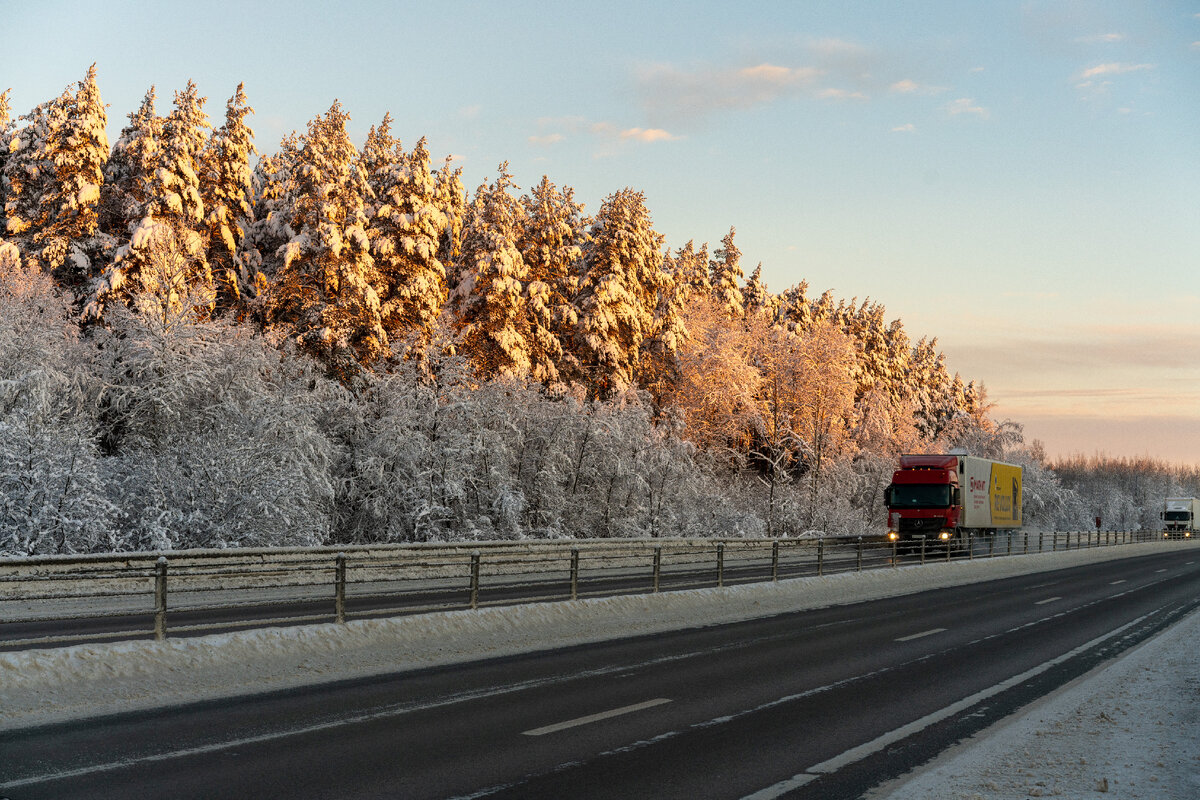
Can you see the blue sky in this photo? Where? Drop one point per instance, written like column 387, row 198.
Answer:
column 1019, row 179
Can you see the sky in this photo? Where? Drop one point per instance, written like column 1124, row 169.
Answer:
column 1019, row 179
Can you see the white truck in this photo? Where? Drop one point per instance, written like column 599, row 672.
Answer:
column 1181, row 517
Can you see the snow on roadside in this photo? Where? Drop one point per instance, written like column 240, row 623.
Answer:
column 1128, row 729
column 43, row 686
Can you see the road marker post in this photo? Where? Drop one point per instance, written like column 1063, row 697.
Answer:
column 339, row 588
column 160, row 598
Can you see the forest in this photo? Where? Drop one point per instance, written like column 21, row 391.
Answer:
column 202, row 345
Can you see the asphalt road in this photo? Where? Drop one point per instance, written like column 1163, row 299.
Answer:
column 819, row 704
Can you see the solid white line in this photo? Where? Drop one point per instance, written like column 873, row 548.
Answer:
column 574, row 723
column 875, row 745
column 920, row 635
column 1047, row 600
column 1114, row 583
column 1159, row 570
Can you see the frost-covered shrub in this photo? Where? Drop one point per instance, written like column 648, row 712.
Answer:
column 52, row 497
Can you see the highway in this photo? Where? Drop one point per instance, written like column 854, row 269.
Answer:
column 819, row 704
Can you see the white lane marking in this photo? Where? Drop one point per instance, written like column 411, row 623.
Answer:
column 920, row 635
column 574, row 723
column 1158, row 571
column 1047, row 600
column 875, row 745
column 1114, row 583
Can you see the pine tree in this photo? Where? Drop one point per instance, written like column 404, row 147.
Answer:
column 551, row 245
column 53, row 177
column 225, row 188
column 759, row 302
column 321, row 286
column 163, row 209
column 130, row 169
column 619, row 291
column 726, row 275
column 270, row 229
column 407, row 226
column 7, row 123
column 690, row 268
column 489, row 297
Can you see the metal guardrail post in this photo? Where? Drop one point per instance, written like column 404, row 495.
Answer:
column 820, row 556
column 160, row 598
column 860, row 549
column 1010, row 543
column 339, row 588
column 922, row 551
column 1026, row 542
column 970, row 547
column 475, row 579
column 895, row 553
column 657, row 566
column 574, row 574
column 949, row 548
column 775, row 561
column 992, row 546
column 720, row 564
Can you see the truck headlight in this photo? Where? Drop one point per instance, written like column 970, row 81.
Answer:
column 893, row 536
column 944, row 535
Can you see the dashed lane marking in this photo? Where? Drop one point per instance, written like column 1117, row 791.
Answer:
column 920, row 635
column 1047, row 600
column 616, row 712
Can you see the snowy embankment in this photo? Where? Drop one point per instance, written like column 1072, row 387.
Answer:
column 44, row 686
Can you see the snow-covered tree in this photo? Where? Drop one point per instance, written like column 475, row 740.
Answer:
column 726, row 276
column 759, row 302
column 551, row 244
column 407, row 224
column 7, row 123
column 490, row 302
column 226, row 191
column 52, row 180
column 52, row 485
column 161, row 162
column 691, row 270
column 619, row 291
column 321, row 287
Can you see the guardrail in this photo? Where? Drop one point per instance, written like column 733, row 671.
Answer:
column 70, row 599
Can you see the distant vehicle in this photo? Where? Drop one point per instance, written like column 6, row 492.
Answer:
column 951, row 497
column 1181, row 517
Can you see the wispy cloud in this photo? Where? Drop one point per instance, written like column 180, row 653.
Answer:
column 648, row 135
column 1102, row 38
column 553, row 130
column 1113, row 68
column 966, row 105
column 909, row 86
column 906, row 128
column 839, row 94
column 672, row 93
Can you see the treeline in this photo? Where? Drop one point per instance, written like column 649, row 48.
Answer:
column 335, row 344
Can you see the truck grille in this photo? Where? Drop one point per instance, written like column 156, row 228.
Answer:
column 922, row 524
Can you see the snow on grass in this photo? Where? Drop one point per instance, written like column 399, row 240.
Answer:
column 43, row 686
column 1129, row 729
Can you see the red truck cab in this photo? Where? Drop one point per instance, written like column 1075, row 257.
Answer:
column 924, row 498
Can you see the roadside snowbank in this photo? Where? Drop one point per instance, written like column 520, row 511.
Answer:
column 1128, row 729
column 43, row 686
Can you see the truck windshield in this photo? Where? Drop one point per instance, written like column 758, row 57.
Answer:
column 1177, row 516
column 918, row 495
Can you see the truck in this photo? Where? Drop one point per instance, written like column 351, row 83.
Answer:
column 1181, row 517
column 951, row 497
